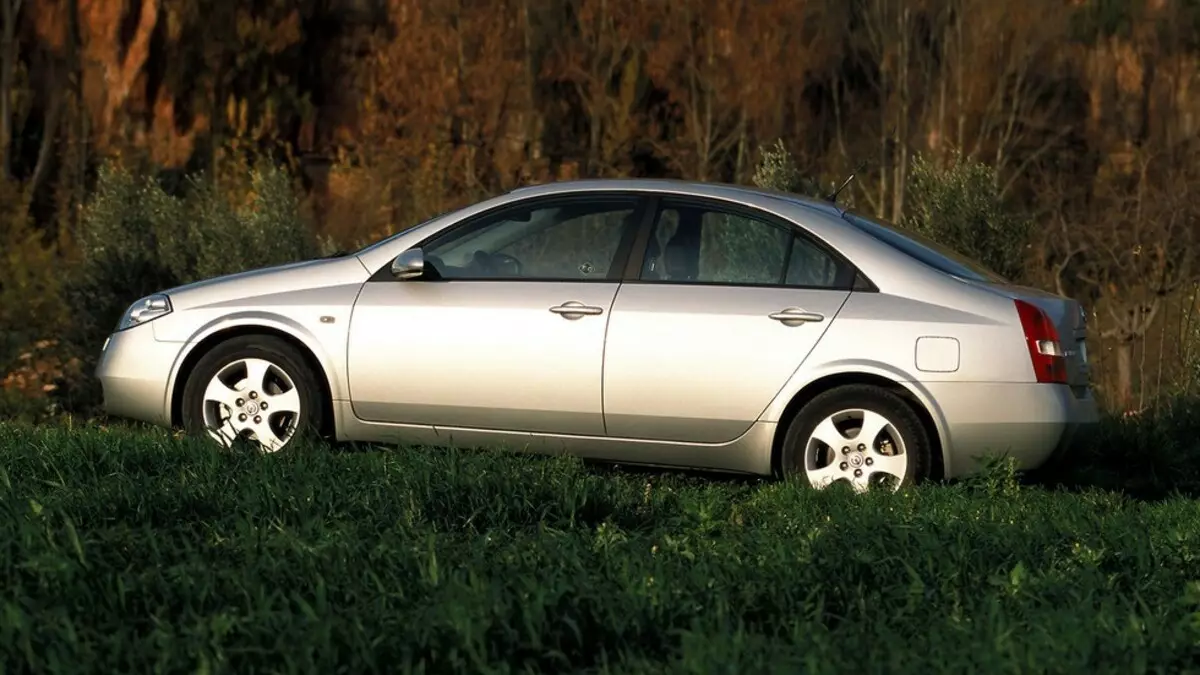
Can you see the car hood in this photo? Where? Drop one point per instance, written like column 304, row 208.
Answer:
column 268, row 281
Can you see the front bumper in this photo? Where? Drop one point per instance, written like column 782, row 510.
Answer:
column 133, row 371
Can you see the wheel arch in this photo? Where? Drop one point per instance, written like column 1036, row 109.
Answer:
column 910, row 392
column 218, row 336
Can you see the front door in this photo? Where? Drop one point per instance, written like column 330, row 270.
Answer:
column 511, row 337
column 728, row 305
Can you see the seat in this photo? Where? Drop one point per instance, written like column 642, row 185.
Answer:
column 682, row 255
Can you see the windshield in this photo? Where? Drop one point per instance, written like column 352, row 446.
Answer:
column 390, row 237
column 924, row 249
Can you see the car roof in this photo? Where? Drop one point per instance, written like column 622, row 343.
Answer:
column 678, row 187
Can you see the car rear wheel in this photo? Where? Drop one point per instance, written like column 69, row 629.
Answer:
column 860, row 434
column 255, row 388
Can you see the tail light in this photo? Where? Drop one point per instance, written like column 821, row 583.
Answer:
column 1041, row 337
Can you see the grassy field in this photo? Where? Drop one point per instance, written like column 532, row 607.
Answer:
column 128, row 551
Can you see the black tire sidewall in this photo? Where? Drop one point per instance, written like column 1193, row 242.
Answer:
column 269, row 349
column 866, row 397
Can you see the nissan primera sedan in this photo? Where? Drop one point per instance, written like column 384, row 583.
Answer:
column 633, row 321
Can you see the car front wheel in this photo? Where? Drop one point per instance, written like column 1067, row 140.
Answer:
column 254, row 387
column 863, row 435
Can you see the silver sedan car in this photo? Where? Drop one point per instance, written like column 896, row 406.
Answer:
column 645, row 322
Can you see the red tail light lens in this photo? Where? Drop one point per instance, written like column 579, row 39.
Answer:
column 1041, row 337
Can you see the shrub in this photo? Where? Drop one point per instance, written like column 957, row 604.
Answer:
column 253, row 223
column 777, row 170
column 131, row 240
column 960, row 205
column 136, row 239
column 31, row 310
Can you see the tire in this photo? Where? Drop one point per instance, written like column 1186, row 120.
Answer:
column 219, row 386
column 804, row 456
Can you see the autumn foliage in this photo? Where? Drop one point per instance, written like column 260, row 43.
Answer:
column 1053, row 140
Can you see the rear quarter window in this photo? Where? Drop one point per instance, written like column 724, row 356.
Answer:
column 925, row 250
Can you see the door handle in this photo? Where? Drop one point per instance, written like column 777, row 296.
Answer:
column 573, row 310
column 794, row 316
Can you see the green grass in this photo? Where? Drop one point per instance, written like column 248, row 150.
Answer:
column 127, row 551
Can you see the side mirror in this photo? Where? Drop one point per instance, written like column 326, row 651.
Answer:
column 409, row 264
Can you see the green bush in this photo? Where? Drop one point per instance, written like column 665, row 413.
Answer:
column 960, row 205
column 777, row 170
column 136, row 239
column 32, row 312
column 30, row 305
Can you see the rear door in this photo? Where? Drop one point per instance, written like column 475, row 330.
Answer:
column 726, row 305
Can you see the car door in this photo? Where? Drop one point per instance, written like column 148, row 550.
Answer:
column 506, row 329
column 726, row 307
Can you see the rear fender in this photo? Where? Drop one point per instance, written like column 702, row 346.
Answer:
column 849, row 368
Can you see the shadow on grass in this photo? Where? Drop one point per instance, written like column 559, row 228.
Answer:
column 1150, row 456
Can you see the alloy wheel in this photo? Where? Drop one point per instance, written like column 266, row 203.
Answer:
column 254, row 399
column 859, row 446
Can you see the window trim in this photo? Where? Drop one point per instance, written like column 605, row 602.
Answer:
column 617, row 266
column 853, row 278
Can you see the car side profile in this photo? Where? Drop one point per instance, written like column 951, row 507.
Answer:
column 650, row 322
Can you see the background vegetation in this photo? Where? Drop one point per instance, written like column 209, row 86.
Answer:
column 1056, row 141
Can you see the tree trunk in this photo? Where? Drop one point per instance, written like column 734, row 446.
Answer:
column 1125, row 375
column 8, row 64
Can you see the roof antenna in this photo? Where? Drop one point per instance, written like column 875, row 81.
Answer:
column 834, row 195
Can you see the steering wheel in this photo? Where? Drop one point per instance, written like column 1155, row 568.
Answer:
column 497, row 264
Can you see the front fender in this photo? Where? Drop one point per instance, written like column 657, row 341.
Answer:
column 270, row 321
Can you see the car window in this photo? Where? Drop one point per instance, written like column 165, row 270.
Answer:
column 925, row 250
column 701, row 245
column 570, row 240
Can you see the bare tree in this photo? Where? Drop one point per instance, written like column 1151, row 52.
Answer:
column 694, row 62
column 603, row 63
column 1132, row 248
column 996, row 97
column 882, row 38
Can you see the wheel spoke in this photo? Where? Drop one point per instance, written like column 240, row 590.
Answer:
column 890, row 465
column 256, row 373
column 288, row 401
column 828, row 433
column 266, row 436
column 873, row 424
column 822, row 477
column 219, row 392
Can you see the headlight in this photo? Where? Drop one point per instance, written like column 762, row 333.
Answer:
column 147, row 309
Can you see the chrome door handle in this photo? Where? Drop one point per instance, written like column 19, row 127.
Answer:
column 573, row 310
column 794, row 316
